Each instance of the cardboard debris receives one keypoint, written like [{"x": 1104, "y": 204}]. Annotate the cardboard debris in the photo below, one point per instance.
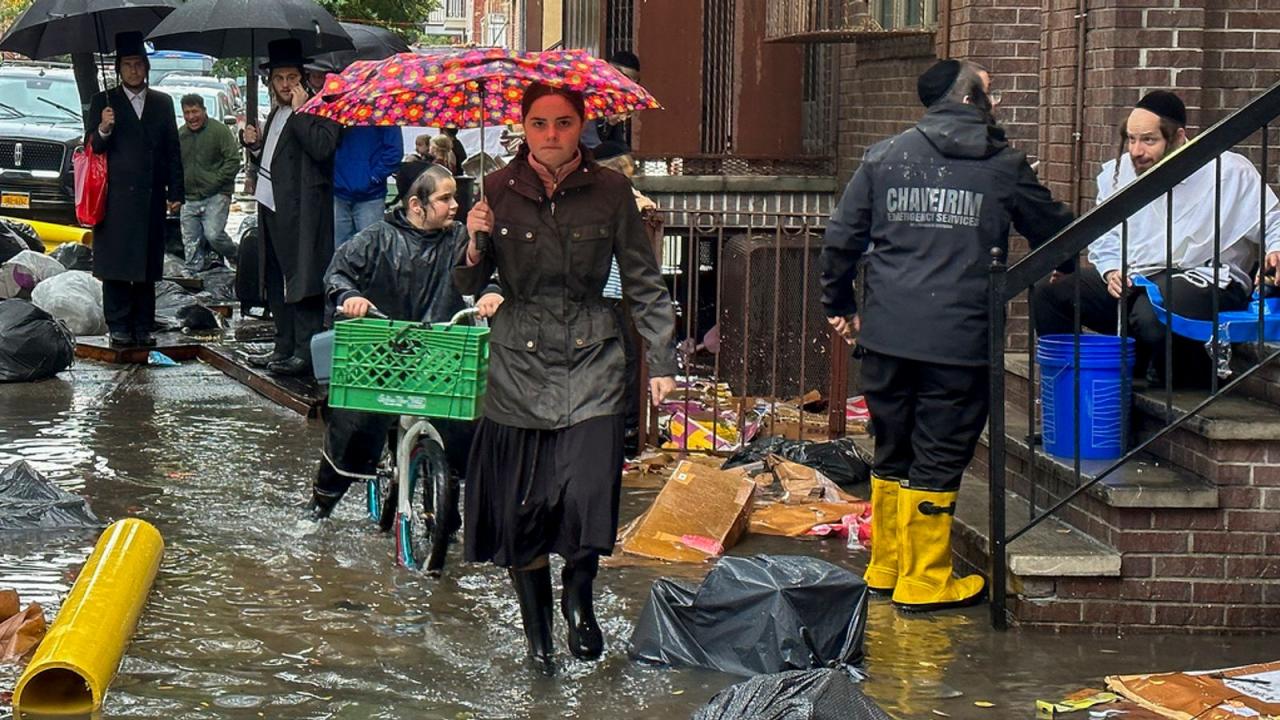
[
  {"x": 700, "y": 513},
  {"x": 20, "y": 632},
  {"x": 797, "y": 520},
  {"x": 803, "y": 484},
  {"x": 1249, "y": 691}
]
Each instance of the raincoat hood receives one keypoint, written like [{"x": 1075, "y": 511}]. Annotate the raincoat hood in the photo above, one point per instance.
[{"x": 958, "y": 130}]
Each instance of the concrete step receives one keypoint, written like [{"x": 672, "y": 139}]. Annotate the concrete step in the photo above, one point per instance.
[
  {"x": 1231, "y": 417},
  {"x": 1051, "y": 549},
  {"x": 1144, "y": 482}
]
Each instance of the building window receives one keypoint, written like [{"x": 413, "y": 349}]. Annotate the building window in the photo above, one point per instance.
[
  {"x": 620, "y": 27},
  {"x": 818, "y": 107},
  {"x": 902, "y": 14},
  {"x": 456, "y": 9},
  {"x": 717, "y": 74},
  {"x": 582, "y": 25}
]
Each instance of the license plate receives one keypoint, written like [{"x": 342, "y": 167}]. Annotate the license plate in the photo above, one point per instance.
[{"x": 15, "y": 200}]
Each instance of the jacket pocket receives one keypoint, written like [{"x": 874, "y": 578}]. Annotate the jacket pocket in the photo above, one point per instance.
[
  {"x": 591, "y": 248},
  {"x": 516, "y": 243},
  {"x": 515, "y": 332}
]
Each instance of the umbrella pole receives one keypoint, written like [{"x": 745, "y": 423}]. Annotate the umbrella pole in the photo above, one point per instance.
[{"x": 97, "y": 28}]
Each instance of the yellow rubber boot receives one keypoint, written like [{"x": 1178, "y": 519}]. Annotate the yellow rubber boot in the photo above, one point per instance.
[
  {"x": 924, "y": 555},
  {"x": 882, "y": 570}
]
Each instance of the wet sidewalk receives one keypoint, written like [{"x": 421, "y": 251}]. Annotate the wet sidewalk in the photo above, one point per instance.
[{"x": 256, "y": 613}]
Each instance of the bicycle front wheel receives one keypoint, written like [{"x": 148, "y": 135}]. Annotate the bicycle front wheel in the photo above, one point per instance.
[{"x": 423, "y": 531}]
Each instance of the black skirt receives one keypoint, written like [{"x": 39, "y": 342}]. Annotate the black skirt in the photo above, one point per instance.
[{"x": 534, "y": 492}]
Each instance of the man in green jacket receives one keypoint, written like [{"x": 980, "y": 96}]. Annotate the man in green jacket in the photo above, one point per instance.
[{"x": 210, "y": 161}]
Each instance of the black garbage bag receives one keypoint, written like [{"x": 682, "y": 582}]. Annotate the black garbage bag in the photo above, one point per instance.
[
  {"x": 823, "y": 694},
  {"x": 838, "y": 459},
  {"x": 197, "y": 319},
  {"x": 74, "y": 256},
  {"x": 24, "y": 232},
  {"x": 30, "y": 502},
  {"x": 10, "y": 244},
  {"x": 171, "y": 298},
  {"x": 33, "y": 344},
  {"x": 218, "y": 285},
  {"x": 754, "y": 615}
]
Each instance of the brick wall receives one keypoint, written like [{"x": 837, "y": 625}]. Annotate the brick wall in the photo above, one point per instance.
[{"x": 877, "y": 97}]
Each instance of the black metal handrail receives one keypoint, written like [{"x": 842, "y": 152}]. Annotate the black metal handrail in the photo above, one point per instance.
[{"x": 1007, "y": 282}]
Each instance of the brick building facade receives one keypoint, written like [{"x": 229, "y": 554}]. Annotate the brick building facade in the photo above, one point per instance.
[{"x": 1187, "y": 538}]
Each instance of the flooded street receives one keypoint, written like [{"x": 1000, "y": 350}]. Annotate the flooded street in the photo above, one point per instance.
[{"x": 256, "y": 613}]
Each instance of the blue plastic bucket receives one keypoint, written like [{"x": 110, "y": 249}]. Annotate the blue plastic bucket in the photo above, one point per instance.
[{"x": 1103, "y": 397}]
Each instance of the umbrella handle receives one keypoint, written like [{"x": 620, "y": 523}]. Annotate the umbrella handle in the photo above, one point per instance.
[{"x": 484, "y": 244}]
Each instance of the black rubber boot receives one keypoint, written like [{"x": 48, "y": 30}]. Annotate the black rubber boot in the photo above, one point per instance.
[
  {"x": 328, "y": 489},
  {"x": 533, "y": 590},
  {"x": 322, "y": 504},
  {"x": 585, "y": 639}
]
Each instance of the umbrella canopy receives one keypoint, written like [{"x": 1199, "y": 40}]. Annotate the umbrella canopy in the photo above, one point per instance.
[
  {"x": 372, "y": 43},
  {"x": 469, "y": 89},
  {"x": 58, "y": 27},
  {"x": 244, "y": 28}
]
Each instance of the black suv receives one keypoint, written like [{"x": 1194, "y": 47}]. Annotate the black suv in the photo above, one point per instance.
[{"x": 40, "y": 127}]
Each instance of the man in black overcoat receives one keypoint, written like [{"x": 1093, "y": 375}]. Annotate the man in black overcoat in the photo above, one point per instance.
[
  {"x": 135, "y": 128},
  {"x": 295, "y": 206}
]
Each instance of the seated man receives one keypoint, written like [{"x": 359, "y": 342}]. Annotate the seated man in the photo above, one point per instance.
[
  {"x": 1155, "y": 128},
  {"x": 401, "y": 266}
]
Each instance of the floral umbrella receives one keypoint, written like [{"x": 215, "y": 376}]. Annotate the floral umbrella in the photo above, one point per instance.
[{"x": 468, "y": 89}]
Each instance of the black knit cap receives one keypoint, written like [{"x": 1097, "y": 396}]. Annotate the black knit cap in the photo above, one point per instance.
[
  {"x": 1165, "y": 104},
  {"x": 937, "y": 80}
]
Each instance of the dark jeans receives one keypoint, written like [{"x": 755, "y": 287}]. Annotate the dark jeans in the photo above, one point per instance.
[
  {"x": 296, "y": 322},
  {"x": 130, "y": 307},
  {"x": 926, "y": 418},
  {"x": 1188, "y": 296}
]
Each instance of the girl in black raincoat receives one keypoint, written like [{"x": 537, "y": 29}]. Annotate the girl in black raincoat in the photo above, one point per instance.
[{"x": 401, "y": 266}]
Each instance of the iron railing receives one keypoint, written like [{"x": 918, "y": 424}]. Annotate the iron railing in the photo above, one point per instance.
[
  {"x": 749, "y": 318},
  {"x": 1009, "y": 282}
]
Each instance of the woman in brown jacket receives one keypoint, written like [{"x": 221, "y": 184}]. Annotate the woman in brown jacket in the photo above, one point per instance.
[{"x": 546, "y": 465}]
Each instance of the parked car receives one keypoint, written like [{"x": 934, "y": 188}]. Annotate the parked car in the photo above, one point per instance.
[{"x": 40, "y": 127}]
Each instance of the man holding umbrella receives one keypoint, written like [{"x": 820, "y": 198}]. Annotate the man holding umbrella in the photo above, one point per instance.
[
  {"x": 295, "y": 201},
  {"x": 133, "y": 126}
]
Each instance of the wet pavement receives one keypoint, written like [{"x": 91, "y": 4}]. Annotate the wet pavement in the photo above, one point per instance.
[{"x": 256, "y": 613}]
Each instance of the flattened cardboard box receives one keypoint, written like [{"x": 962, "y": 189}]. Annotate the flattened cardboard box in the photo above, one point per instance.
[{"x": 700, "y": 513}]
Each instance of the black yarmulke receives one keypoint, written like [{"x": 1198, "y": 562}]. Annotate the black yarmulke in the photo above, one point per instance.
[
  {"x": 937, "y": 80},
  {"x": 1166, "y": 105}
]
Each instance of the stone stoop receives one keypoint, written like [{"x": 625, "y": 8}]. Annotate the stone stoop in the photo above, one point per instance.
[{"x": 1194, "y": 525}]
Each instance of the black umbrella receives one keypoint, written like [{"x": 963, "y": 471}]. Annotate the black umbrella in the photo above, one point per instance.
[
  {"x": 244, "y": 28},
  {"x": 372, "y": 43},
  {"x": 60, "y": 27}
]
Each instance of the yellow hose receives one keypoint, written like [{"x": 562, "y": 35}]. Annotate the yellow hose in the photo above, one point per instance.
[
  {"x": 53, "y": 234},
  {"x": 78, "y": 659}
]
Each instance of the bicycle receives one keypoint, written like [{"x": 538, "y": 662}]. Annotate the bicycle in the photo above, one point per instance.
[{"x": 414, "y": 493}]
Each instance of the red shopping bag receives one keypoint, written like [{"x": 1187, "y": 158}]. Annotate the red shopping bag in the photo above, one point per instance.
[{"x": 91, "y": 185}]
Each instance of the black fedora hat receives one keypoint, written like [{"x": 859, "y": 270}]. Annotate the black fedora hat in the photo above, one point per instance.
[
  {"x": 130, "y": 43},
  {"x": 286, "y": 52}
]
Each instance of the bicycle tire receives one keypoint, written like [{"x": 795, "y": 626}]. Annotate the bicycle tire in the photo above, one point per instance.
[{"x": 422, "y": 541}]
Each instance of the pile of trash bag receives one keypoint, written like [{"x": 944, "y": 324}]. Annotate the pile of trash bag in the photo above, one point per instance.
[
  {"x": 75, "y": 298},
  {"x": 74, "y": 256},
  {"x": 823, "y": 694},
  {"x": 755, "y": 615},
  {"x": 33, "y": 344},
  {"x": 20, "y": 274},
  {"x": 838, "y": 460},
  {"x": 30, "y": 502}
]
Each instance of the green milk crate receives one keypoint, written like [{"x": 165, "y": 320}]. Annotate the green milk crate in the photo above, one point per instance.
[{"x": 409, "y": 368}]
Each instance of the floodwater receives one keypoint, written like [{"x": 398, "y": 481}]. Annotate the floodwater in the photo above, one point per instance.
[{"x": 256, "y": 613}]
